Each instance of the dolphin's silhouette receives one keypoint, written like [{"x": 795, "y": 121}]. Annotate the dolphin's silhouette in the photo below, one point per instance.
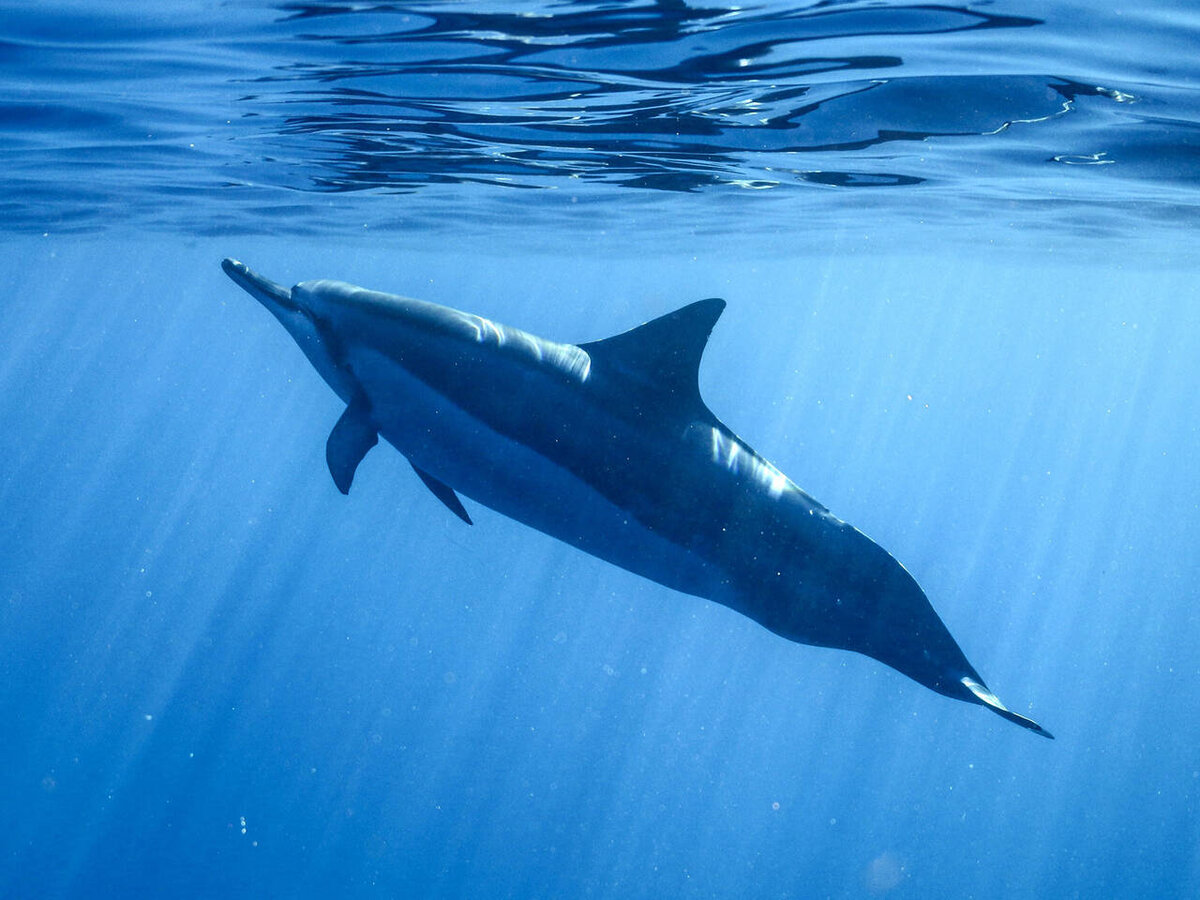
[{"x": 608, "y": 446}]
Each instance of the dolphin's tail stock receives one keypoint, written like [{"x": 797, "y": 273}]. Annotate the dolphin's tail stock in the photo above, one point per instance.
[{"x": 992, "y": 702}]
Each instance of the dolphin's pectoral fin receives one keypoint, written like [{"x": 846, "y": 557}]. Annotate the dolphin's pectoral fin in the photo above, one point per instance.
[
  {"x": 443, "y": 492},
  {"x": 351, "y": 438},
  {"x": 992, "y": 702}
]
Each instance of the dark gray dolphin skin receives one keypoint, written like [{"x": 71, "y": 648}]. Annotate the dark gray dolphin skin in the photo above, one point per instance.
[{"x": 608, "y": 447}]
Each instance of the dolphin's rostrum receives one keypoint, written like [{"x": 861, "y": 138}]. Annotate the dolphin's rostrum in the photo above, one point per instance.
[{"x": 608, "y": 446}]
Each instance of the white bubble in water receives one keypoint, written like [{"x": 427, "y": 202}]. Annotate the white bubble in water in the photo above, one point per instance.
[{"x": 884, "y": 872}]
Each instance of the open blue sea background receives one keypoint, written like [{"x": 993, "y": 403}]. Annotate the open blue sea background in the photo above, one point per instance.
[{"x": 959, "y": 248}]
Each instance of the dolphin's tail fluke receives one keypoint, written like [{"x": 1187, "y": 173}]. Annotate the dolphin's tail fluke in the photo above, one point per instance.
[
  {"x": 273, "y": 296},
  {"x": 992, "y": 702}
]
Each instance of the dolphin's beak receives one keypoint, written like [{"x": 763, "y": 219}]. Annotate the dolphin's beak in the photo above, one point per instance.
[{"x": 274, "y": 297}]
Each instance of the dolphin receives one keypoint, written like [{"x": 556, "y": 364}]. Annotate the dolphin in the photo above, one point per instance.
[{"x": 608, "y": 446}]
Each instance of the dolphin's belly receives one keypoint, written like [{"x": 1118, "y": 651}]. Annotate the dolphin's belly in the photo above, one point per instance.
[{"x": 499, "y": 472}]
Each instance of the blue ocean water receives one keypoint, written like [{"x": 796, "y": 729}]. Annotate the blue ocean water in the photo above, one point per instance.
[{"x": 957, "y": 244}]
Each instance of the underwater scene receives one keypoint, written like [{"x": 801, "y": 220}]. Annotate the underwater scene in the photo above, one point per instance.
[{"x": 600, "y": 449}]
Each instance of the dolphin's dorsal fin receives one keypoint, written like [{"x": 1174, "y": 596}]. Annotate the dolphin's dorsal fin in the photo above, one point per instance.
[
  {"x": 351, "y": 438},
  {"x": 443, "y": 492},
  {"x": 660, "y": 360}
]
